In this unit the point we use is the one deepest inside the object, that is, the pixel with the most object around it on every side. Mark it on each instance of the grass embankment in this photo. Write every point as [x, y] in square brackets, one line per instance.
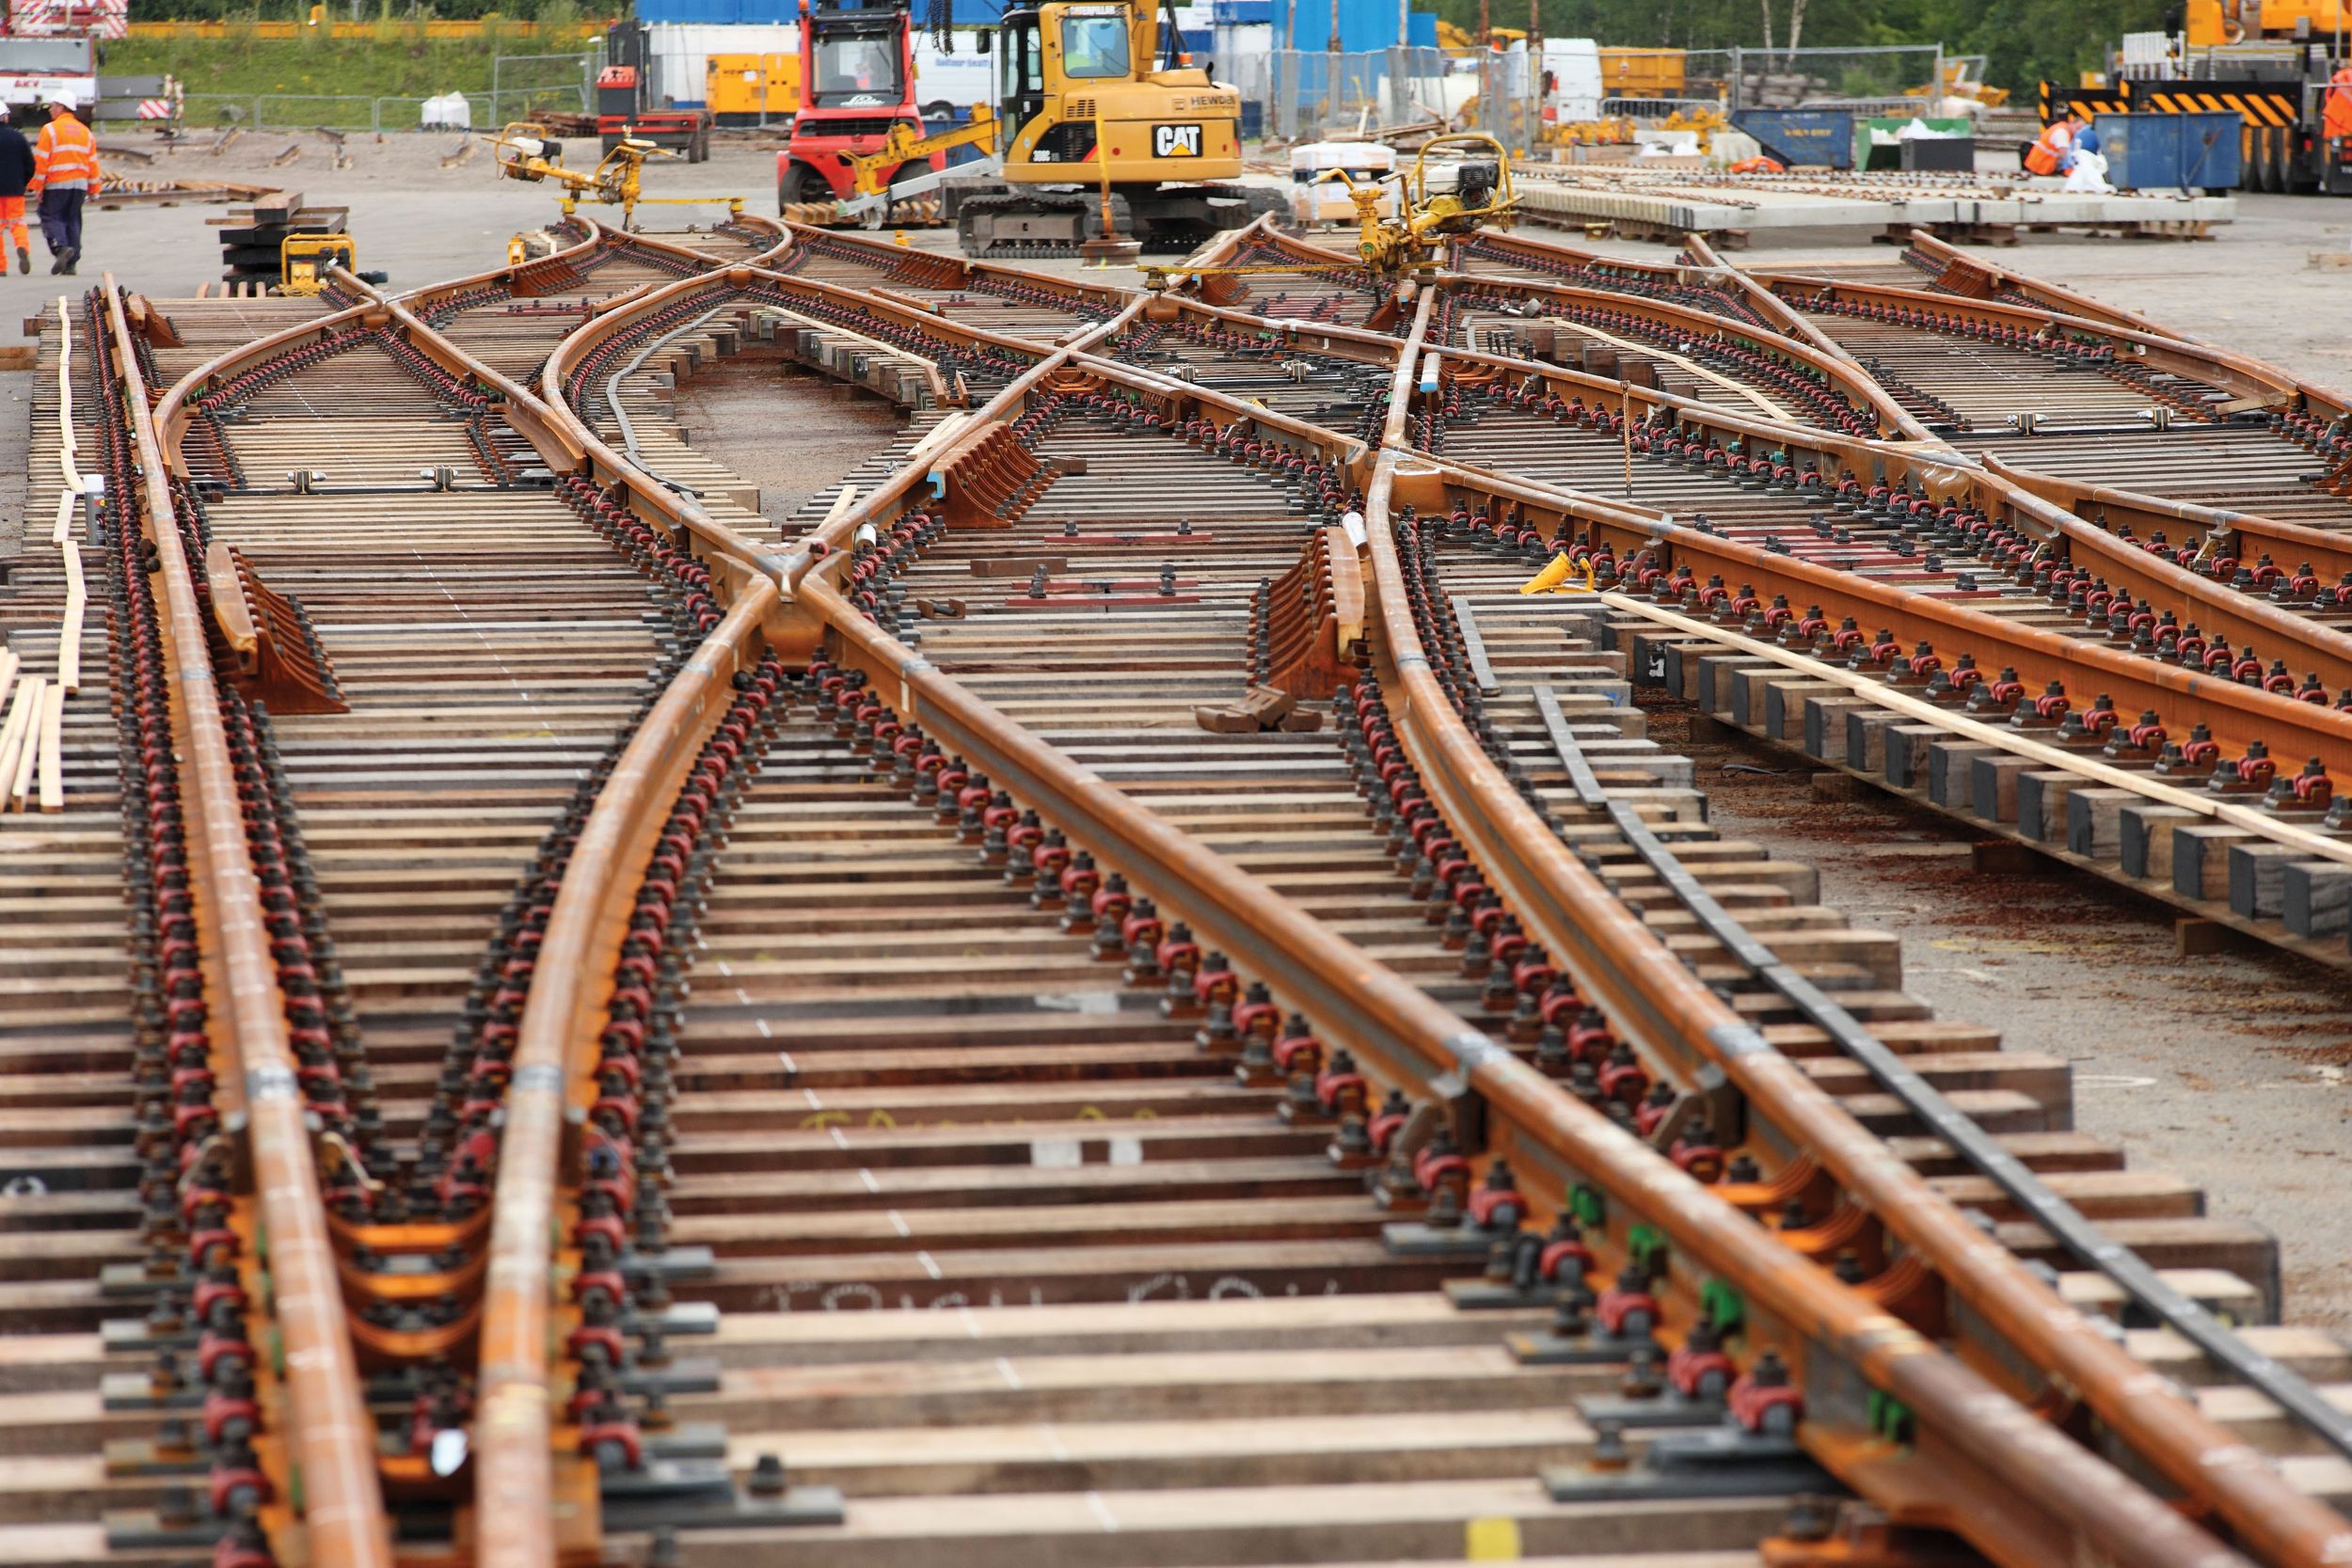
[397, 63]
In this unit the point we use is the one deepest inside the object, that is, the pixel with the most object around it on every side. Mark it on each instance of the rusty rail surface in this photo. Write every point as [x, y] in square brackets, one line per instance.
[2252, 381]
[2183, 1449]
[1625, 964]
[332, 1438]
[1976, 1436]
[2235, 713]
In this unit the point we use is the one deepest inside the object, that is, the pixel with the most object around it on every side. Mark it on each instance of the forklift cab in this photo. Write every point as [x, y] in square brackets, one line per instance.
[857, 61]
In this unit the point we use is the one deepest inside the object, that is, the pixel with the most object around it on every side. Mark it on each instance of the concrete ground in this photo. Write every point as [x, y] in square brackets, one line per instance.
[2249, 287]
[2231, 1070]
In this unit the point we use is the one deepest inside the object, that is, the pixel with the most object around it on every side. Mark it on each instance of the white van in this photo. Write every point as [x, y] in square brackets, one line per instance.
[949, 82]
[1573, 66]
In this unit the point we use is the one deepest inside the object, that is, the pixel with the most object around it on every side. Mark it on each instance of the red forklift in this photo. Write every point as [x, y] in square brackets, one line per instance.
[857, 80]
[621, 105]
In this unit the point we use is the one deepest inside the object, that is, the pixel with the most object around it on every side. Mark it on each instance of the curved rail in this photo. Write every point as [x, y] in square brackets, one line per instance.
[1972, 1434]
[2248, 379]
[2114, 1384]
[331, 1440]
[1615, 958]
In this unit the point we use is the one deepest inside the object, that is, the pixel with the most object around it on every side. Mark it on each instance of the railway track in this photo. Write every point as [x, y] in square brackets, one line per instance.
[1128, 882]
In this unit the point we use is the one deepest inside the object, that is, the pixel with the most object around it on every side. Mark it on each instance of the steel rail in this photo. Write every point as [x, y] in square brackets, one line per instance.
[2240, 375]
[2066, 1224]
[2021, 1447]
[512, 1458]
[2328, 550]
[1618, 961]
[2036, 500]
[2066, 302]
[513, 1399]
[2063, 1500]
[1993, 277]
[513, 1427]
[1795, 323]
[331, 1436]
[1705, 264]
[426, 296]
[950, 271]
[906, 674]
[171, 414]
[1841, 373]
[2001, 489]
[2235, 713]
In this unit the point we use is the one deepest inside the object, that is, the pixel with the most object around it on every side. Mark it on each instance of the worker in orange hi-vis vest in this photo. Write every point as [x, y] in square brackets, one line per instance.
[65, 172]
[2049, 149]
[16, 172]
[2336, 120]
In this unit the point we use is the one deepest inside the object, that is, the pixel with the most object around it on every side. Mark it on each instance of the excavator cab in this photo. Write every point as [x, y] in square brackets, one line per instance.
[1099, 92]
[1021, 70]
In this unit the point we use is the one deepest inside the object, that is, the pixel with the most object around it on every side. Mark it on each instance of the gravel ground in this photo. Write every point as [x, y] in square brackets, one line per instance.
[2230, 1070]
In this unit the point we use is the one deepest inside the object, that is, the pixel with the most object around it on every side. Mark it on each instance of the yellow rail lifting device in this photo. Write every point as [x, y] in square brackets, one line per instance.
[525, 151]
[1406, 243]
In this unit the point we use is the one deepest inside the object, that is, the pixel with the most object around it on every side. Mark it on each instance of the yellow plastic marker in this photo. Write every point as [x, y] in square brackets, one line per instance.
[1491, 1540]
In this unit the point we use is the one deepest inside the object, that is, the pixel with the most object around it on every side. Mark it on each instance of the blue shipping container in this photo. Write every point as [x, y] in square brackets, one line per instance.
[1817, 138]
[2150, 153]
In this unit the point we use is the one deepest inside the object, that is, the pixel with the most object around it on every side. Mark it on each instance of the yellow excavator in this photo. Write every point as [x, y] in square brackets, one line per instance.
[1101, 113]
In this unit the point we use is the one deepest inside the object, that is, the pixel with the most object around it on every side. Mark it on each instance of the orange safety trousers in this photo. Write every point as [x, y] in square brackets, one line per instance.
[12, 227]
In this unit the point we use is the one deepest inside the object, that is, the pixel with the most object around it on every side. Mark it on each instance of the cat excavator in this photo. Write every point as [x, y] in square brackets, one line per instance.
[1101, 113]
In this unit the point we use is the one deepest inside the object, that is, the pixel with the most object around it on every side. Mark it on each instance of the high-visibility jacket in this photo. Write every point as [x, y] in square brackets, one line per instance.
[66, 152]
[2049, 149]
[2336, 120]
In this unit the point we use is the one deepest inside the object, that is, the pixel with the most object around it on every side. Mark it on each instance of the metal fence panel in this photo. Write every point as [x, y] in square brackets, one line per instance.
[1308, 94]
[1880, 79]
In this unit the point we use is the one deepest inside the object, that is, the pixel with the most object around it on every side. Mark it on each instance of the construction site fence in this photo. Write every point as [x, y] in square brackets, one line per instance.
[1309, 95]
[381, 32]
[1882, 78]
[281, 111]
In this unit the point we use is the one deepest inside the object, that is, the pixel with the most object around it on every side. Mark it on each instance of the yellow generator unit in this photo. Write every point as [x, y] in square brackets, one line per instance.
[744, 89]
[303, 261]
